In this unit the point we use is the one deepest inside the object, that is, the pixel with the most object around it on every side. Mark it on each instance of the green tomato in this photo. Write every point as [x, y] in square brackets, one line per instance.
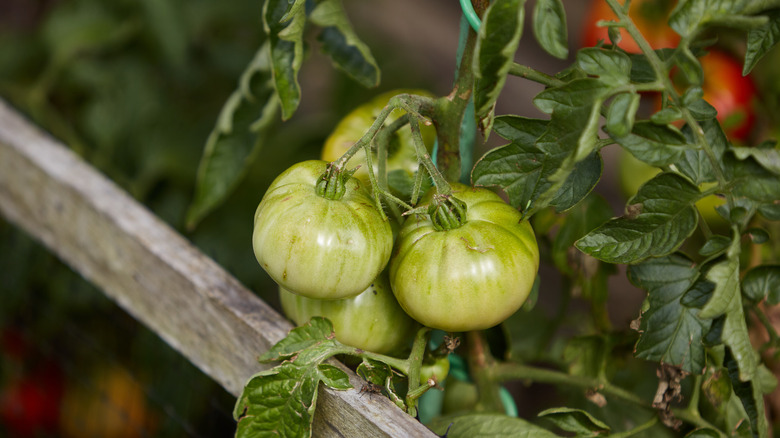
[372, 321]
[468, 278]
[318, 247]
[401, 154]
[436, 370]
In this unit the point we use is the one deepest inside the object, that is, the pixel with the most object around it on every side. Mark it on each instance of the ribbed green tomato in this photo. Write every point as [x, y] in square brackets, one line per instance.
[372, 321]
[318, 247]
[468, 278]
[401, 154]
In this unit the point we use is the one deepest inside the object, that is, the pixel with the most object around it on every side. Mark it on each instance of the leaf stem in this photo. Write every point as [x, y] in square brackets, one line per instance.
[442, 186]
[415, 364]
[535, 75]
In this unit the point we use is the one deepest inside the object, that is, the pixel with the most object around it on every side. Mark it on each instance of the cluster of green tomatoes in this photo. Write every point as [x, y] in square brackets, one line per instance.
[461, 261]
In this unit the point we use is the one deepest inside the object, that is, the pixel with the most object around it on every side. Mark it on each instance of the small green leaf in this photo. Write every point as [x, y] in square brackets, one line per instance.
[770, 211]
[572, 95]
[694, 163]
[237, 137]
[576, 421]
[714, 245]
[758, 235]
[340, 42]
[761, 39]
[767, 157]
[762, 282]
[374, 371]
[487, 425]
[499, 36]
[653, 144]
[318, 331]
[666, 218]
[611, 66]
[550, 27]
[284, 23]
[701, 110]
[333, 377]
[666, 116]
[669, 330]
[621, 114]
[727, 300]
[749, 393]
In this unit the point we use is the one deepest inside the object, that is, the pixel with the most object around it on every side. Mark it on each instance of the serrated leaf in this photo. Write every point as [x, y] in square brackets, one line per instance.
[281, 401]
[762, 282]
[576, 94]
[550, 27]
[761, 39]
[284, 23]
[694, 163]
[666, 218]
[749, 394]
[487, 425]
[752, 180]
[691, 16]
[670, 332]
[237, 137]
[767, 157]
[610, 66]
[727, 300]
[575, 420]
[522, 168]
[317, 332]
[342, 45]
[499, 36]
[653, 144]
[701, 110]
[621, 114]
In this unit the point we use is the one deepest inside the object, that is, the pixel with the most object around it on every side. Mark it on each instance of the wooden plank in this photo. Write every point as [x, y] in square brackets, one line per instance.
[159, 277]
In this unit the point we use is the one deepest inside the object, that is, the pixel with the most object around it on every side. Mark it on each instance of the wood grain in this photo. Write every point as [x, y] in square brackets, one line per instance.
[159, 277]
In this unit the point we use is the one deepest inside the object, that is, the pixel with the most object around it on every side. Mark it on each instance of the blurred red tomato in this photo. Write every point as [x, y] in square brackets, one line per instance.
[650, 17]
[730, 93]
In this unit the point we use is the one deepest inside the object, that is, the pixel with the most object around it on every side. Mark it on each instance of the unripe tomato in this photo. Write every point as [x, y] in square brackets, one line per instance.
[436, 370]
[650, 17]
[317, 247]
[113, 406]
[401, 154]
[467, 278]
[371, 321]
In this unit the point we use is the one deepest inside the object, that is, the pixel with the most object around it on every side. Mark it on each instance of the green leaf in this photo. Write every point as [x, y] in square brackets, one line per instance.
[653, 144]
[487, 426]
[767, 157]
[612, 67]
[499, 36]
[576, 94]
[714, 245]
[374, 371]
[576, 421]
[752, 180]
[281, 401]
[237, 137]
[340, 42]
[317, 332]
[284, 23]
[762, 282]
[670, 332]
[550, 27]
[694, 163]
[621, 114]
[727, 300]
[701, 110]
[666, 116]
[588, 215]
[761, 39]
[522, 169]
[666, 218]
[691, 16]
[749, 393]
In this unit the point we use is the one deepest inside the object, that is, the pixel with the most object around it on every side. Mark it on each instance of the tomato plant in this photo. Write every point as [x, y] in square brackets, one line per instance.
[372, 320]
[320, 247]
[467, 276]
[465, 260]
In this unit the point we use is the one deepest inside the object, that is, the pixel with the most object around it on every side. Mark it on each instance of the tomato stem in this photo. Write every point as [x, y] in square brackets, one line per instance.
[415, 364]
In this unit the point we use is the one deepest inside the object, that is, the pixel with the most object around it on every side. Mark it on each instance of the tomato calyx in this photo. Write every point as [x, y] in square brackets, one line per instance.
[447, 212]
[332, 184]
